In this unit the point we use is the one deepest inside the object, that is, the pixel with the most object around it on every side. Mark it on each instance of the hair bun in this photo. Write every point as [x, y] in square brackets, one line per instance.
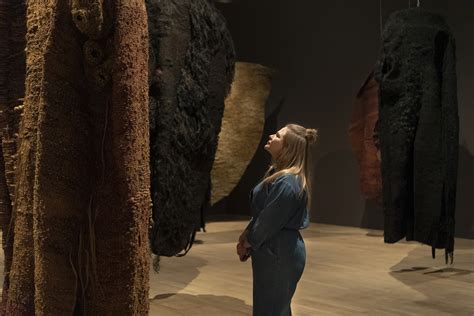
[311, 135]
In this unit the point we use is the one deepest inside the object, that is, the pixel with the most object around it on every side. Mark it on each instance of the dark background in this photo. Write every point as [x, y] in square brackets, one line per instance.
[323, 51]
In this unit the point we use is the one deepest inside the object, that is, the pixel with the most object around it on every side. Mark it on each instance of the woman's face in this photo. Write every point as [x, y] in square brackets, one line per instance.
[275, 143]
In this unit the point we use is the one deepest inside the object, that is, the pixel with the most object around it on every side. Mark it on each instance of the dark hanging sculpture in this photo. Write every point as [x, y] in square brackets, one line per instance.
[418, 126]
[365, 114]
[191, 66]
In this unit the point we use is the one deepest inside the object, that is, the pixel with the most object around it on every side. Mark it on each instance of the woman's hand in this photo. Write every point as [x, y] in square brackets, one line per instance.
[243, 252]
[246, 244]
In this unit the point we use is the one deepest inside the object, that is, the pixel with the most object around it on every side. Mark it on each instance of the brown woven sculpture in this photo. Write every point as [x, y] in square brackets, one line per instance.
[12, 91]
[82, 203]
[361, 134]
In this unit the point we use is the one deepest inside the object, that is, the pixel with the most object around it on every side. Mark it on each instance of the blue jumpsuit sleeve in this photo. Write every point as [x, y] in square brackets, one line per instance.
[280, 204]
[252, 220]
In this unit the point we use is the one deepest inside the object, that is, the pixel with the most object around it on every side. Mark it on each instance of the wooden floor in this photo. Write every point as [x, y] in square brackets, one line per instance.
[349, 271]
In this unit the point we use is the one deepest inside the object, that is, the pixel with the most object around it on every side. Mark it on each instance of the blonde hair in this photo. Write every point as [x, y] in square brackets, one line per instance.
[294, 156]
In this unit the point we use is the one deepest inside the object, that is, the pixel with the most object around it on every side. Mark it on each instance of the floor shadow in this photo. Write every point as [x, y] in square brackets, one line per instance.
[449, 272]
[175, 273]
[163, 296]
[435, 279]
[374, 233]
[414, 269]
[206, 304]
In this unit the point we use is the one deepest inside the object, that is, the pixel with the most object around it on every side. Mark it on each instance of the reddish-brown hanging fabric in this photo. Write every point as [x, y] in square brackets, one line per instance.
[361, 134]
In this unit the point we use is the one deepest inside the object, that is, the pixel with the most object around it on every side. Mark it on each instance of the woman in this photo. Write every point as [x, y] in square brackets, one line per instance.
[280, 209]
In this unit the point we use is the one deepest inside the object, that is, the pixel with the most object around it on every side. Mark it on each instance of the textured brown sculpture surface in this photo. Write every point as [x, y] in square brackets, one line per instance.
[82, 202]
[242, 126]
[12, 91]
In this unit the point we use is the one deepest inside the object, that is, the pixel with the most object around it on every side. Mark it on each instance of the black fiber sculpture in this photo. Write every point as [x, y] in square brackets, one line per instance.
[418, 126]
[191, 69]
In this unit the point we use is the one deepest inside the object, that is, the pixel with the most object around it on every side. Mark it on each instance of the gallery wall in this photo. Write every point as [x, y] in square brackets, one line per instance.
[323, 51]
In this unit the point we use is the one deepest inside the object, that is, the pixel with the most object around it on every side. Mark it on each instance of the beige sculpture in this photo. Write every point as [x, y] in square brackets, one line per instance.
[242, 127]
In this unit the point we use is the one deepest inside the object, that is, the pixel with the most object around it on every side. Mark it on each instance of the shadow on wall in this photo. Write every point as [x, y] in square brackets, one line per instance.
[237, 202]
[373, 215]
[464, 195]
[334, 199]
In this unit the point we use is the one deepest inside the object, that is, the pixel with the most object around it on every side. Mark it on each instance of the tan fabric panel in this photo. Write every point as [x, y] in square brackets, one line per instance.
[242, 127]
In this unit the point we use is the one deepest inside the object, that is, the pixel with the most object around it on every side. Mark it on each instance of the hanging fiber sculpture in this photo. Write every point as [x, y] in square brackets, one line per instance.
[365, 114]
[192, 67]
[242, 127]
[12, 92]
[418, 127]
[82, 203]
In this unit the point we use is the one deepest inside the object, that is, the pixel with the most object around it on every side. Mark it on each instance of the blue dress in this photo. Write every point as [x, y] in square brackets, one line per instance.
[278, 252]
